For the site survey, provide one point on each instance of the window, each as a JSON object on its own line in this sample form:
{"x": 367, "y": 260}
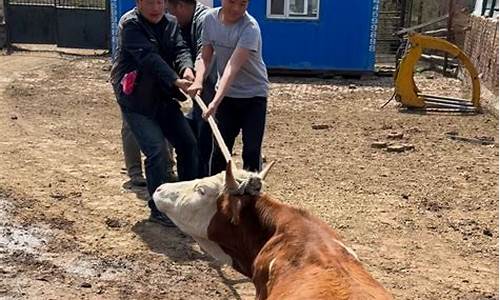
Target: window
{"x": 487, "y": 8}
{"x": 293, "y": 9}
{"x": 490, "y": 8}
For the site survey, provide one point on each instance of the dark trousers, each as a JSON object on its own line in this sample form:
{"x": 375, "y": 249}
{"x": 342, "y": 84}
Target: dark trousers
{"x": 202, "y": 131}
{"x": 247, "y": 115}
{"x": 150, "y": 132}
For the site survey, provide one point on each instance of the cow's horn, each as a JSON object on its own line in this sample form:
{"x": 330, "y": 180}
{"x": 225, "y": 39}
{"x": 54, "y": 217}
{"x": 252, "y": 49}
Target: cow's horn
{"x": 264, "y": 172}
{"x": 231, "y": 184}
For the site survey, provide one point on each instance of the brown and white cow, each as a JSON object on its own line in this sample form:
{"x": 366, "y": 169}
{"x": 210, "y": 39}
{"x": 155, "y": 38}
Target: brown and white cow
{"x": 288, "y": 253}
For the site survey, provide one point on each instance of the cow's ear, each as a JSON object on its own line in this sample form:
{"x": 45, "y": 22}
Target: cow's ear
{"x": 237, "y": 204}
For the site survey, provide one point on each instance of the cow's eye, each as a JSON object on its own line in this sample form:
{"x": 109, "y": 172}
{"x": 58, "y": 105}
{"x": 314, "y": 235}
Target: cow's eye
{"x": 200, "y": 190}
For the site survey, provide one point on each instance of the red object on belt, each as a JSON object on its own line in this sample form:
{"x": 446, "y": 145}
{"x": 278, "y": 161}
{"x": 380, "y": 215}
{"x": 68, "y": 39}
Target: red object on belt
{"x": 128, "y": 82}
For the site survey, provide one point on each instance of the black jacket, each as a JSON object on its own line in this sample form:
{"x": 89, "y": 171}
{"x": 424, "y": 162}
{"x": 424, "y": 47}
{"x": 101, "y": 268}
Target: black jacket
{"x": 158, "y": 58}
{"x": 193, "y": 36}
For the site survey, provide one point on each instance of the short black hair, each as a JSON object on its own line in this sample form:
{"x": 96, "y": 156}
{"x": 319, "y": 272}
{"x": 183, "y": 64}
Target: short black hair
{"x": 175, "y": 2}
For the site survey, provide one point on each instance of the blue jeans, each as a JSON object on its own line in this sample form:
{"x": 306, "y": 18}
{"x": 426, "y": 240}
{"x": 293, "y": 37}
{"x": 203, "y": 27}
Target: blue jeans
{"x": 132, "y": 153}
{"x": 150, "y": 132}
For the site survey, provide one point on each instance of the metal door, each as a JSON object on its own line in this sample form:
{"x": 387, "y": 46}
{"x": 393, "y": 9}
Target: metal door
{"x": 67, "y": 23}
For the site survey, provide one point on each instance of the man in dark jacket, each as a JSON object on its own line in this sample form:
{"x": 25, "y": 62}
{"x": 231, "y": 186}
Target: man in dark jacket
{"x": 150, "y": 55}
{"x": 190, "y": 15}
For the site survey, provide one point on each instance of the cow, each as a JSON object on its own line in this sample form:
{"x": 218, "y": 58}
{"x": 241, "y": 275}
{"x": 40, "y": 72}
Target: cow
{"x": 287, "y": 252}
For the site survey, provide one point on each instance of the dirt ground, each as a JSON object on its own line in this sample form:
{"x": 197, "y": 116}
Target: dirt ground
{"x": 424, "y": 221}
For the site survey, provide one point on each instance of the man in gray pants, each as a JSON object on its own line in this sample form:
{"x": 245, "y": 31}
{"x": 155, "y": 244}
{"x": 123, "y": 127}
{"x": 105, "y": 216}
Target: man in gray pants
{"x": 133, "y": 161}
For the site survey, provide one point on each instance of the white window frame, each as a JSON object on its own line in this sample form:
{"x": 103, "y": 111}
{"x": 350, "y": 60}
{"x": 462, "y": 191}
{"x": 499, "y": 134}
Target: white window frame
{"x": 286, "y": 13}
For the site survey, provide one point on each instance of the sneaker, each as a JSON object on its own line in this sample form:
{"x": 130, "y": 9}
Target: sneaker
{"x": 138, "y": 181}
{"x": 162, "y": 219}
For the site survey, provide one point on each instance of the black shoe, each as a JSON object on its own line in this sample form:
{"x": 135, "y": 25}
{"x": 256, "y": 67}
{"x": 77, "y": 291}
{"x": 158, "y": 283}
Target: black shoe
{"x": 138, "y": 181}
{"x": 172, "y": 177}
{"x": 162, "y": 219}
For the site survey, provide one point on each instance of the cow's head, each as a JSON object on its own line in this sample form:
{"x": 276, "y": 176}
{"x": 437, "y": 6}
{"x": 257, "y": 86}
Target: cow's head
{"x": 192, "y": 205}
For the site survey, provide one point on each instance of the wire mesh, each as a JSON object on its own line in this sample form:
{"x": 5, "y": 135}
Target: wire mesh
{"x": 32, "y": 2}
{"x": 90, "y": 4}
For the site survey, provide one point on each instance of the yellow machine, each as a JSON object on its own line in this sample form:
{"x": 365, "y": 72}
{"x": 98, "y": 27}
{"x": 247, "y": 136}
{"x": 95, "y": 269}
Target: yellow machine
{"x": 407, "y": 92}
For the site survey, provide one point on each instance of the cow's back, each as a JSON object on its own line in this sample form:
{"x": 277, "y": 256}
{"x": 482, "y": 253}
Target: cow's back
{"x": 306, "y": 259}
{"x": 317, "y": 282}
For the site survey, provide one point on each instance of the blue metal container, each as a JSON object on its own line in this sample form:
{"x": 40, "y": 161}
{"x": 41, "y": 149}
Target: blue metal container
{"x": 341, "y": 39}
{"x": 118, "y": 8}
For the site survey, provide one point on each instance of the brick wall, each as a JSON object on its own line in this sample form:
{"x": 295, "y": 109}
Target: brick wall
{"x": 481, "y": 45}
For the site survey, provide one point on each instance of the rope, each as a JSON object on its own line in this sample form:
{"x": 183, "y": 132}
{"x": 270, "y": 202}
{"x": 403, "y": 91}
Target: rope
{"x": 390, "y": 99}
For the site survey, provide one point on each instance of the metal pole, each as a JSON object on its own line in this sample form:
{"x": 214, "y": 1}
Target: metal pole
{"x": 449, "y": 27}
{"x": 492, "y": 8}
{"x": 483, "y": 7}
{"x": 402, "y": 15}
{"x": 403, "y": 20}
{"x": 108, "y": 25}
{"x": 56, "y": 3}
{"x": 6, "y": 22}
{"x": 410, "y": 19}
{"x": 420, "y": 12}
